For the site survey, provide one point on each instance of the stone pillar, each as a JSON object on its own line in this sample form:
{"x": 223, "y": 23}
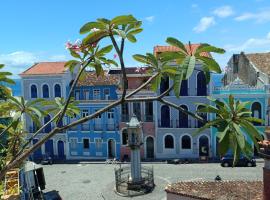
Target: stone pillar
{"x": 266, "y": 179}
{"x": 135, "y": 165}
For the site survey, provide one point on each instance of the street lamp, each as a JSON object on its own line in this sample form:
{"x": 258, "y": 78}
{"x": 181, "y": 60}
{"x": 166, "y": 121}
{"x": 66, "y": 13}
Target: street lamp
{"x": 134, "y": 142}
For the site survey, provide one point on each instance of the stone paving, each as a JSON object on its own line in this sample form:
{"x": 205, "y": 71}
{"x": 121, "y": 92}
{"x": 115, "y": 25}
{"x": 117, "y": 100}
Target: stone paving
{"x": 96, "y": 181}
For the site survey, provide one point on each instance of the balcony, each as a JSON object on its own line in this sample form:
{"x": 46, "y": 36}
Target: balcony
{"x": 124, "y": 118}
{"x": 148, "y": 118}
{"x": 85, "y": 126}
{"x": 183, "y": 124}
{"x": 112, "y": 126}
{"x": 98, "y": 127}
{"x": 165, "y": 123}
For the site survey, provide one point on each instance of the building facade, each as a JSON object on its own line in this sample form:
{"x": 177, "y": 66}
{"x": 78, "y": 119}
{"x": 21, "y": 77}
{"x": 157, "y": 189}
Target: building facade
{"x": 174, "y": 130}
{"x": 144, "y": 111}
{"x": 46, "y": 80}
{"x": 257, "y": 95}
{"x": 98, "y": 138}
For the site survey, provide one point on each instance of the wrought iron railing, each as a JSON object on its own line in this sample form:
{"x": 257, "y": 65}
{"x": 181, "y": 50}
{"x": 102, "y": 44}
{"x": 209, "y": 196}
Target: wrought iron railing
{"x": 122, "y": 181}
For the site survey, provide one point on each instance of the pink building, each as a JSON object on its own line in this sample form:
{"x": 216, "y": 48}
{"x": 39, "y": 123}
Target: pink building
{"x": 143, "y": 110}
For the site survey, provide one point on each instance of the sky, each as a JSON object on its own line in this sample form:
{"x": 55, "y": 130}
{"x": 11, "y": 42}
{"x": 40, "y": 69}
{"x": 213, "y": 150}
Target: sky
{"x": 33, "y": 31}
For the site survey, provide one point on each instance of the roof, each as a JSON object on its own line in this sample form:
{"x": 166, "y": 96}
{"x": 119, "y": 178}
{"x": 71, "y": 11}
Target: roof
{"x": 261, "y": 61}
{"x": 214, "y": 190}
{"x": 45, "y": 68}
{"x": 92, "y": 79}
{"x": 130, "y": 70}
{"x": 160, "y": 49}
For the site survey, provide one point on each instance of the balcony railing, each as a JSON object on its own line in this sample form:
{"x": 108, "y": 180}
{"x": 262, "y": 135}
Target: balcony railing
{"x": 183, "y": 124}
{"x": 148, "y": 118}
{"x": 85, "y": 127}
{"x": 98, "y": 126}
{"x": 176, "y": 124}
{"x": 165, "y": 123}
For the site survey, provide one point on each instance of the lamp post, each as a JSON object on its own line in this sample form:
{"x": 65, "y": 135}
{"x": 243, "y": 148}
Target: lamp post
{"x": 134, "y": 142}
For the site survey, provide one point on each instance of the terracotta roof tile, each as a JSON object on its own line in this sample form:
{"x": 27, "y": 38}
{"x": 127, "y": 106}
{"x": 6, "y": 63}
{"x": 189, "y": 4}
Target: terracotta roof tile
{"x": 92, "y": 79}
{"x": 160, "y": 49}
{"x": 261, "y": 61}
{"x": 43, "y": 68}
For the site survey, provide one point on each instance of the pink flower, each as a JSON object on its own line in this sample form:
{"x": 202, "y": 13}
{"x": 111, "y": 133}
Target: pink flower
{"x": 68, "y": 45}
{"x": 137, "y": 70}
{"x": 114, "y": 56}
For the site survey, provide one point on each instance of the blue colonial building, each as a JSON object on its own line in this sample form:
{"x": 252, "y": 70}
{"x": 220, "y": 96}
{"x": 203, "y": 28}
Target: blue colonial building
{"x": 174, "y": 129}
{"x": 98, "y": 138}
{"x": 46, "y": 80}
{"x": 257, "y": 95}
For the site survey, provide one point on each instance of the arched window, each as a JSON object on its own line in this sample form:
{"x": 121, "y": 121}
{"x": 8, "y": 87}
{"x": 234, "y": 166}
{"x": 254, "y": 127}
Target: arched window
{"x": 184, "y": 88}
{"x": 124, "y": 137}
{"x": 165, "y": 116}
{"x": 47, "y": 128}
{"x": 186, "y": 142}
{"x": 57, "y": 90}
{"x": 202, "y": 115}
{"x": 183, "y": 118}
{"x": 169, "y": 142}
{"x": 203, "y": 146}
{"x": 164, "y": 84}
{"x": 45, "y": 91}
{"x": 201, "y": 84}
{"x": 256, "y": 110}
{"x": 33, "y": 91}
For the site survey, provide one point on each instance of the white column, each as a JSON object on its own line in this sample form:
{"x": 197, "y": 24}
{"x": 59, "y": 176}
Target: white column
{"x": 135, "y": 165}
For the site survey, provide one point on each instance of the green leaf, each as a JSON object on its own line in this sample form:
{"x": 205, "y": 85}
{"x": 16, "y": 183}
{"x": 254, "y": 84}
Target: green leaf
{"x": 91, "y": 25}
{"x": 71, "y": 64}
{"x": 231, "y": 102}
{"x": 135, "y": 31}
{"x": 140, "y": 58}
{"x": 239, "y": 136}
{"x": 94, "y": 37}
{"x": 156, "y": 82}
{"x": 208, "y": 48}
{"x": 177, "y": 82}
{"x": 206, "y": 74}
{"x": 121, "y": 33}
{"x": 105, "y": 50}
{"x": 189, "y": 65}
{"x": 131, "y": 38}
{"x": 210, "y": 63}
{"x": 174, "y": 42}
{"x": 123, "y": 19}
{"x": 74, "y": 54}
{"x": 224, "y": 145}
{"x": 1, "y": 66}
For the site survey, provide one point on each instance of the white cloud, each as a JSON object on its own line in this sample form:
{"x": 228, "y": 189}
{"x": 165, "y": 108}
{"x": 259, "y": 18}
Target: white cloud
{"x": 204, "y": 24}
{"x": 252, "y": 44}
{"x": 17, "y": 62}
{"x": 224, "y": 11}
{"x": 259, "y": 17}
{"x": 150, "y": 18}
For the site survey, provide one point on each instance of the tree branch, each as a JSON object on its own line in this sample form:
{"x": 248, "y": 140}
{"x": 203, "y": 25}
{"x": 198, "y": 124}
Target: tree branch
{"x": 120, "y": 55}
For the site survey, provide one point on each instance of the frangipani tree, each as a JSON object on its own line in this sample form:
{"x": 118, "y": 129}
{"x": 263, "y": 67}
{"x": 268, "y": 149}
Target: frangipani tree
{"x": 90, "y": 54}
{"x": 234, "y": 122}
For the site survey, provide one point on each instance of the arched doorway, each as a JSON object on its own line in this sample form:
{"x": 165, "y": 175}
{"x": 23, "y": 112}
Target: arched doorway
{"x": 183, "y": 118}
{"x": 150, "y": 147}
{"x": 165, "y": 116}
{"x": 201, "y": 84}
{"x": 61, "y": 149}
{"x": 111, "y": 148}
{"x": 203, "y": 146}
{"x": 49, "y": 148}
{"x": 37, "y": 154}
{"x": 256, "y": 109}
